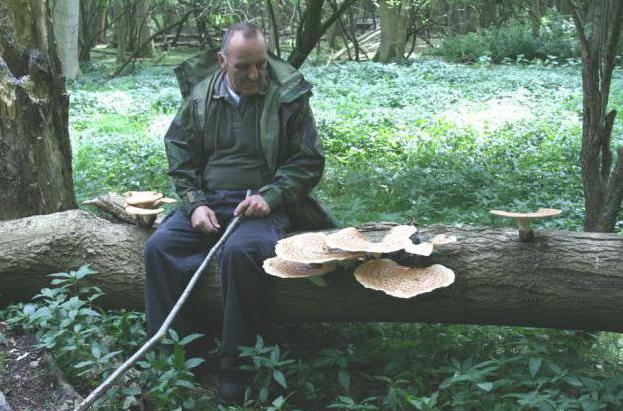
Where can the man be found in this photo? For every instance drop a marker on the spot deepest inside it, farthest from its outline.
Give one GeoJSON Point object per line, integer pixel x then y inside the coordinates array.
{"type": "Point", "coordinates": [245, 123]}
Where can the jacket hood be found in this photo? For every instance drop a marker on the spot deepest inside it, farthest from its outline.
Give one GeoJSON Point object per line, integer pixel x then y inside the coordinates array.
{"type": "Point", "coordinates": [289, 81]}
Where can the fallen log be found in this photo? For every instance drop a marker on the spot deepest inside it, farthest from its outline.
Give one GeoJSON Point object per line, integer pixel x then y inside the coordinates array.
{"type": "Point", "coordinates": [561, 280]}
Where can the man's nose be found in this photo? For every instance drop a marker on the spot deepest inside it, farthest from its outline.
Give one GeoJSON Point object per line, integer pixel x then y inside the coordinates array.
{"type": "Point", "coordinates": [253, 74]}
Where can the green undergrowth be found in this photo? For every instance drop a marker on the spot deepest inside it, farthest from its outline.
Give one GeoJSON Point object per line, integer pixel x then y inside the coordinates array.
{"type": "Point", "coordinates": [514, 40]}
{"type": "Point", "coordinates": [319, 366]}
{"type": "Point", "coordinates": [423, 141]}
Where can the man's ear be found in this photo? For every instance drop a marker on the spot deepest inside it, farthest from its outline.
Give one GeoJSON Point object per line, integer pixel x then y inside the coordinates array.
{"type": "Point", "coordinates": [222, 61]}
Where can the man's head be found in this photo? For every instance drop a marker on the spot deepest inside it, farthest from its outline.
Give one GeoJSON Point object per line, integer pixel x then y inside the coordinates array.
{"type": "Point", "coordinates": [243, 57]}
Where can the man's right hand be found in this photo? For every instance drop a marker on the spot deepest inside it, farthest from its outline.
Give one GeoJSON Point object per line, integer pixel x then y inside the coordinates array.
{"type": "Point", "coordinates": [204, 219]}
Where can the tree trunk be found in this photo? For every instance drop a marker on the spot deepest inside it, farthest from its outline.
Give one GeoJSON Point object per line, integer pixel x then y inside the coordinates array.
{"type": "Point", "coordinates": [274, 25]}
{"type": "Point", "coordinates": [66, 24]}
{"type": "Point", "coordinates": [92, 24]}
{"type": "Point", "coordinates": [123, 29]}
{"type": "Point", "coordinates": [35, 151]}
{"type": "Point", "coordinates": [143, 29]}
{"type": "Point", "coordinates": [488, 13]}
{"type": "Point", "coordinates": [561, 280]}
{"type": "Point", "coordinates": [603, 182]}
{"type": "Point", "coordinates": [311, 28]}
{"type": "Point", "coordinates": [394, 19]}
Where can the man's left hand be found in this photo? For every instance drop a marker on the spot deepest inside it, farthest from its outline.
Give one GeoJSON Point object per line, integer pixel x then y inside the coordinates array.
{"type": "Point", "coordinates": [253, 206]}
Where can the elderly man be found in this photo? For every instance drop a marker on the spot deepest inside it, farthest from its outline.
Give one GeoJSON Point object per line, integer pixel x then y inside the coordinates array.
{"type": "Point", "coordinates": [245, 123]}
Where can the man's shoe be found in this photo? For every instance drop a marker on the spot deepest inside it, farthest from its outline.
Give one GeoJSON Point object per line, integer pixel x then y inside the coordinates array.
{"type": "Point", "coordinates": [230, 392]}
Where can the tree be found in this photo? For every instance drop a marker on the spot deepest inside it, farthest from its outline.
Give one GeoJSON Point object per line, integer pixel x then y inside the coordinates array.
{"type": "Point", "coordinates": [66, 24]}
{"type": "Point", "coordinates": [311, 28]}
{"type": "Point", "coordinates": [132, 20]}
{"type": "Point", "coordinates": [394, 24]}
{"type": "Point", "coordinates": [92, 26]}
{"type": "Point", "coordinates": [598, 25]}
{"type": "Point", "coordinates": [35, 151]}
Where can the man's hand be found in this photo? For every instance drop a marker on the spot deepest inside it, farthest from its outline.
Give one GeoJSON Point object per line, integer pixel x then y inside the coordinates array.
{"type": "Point", "coordinates": [203, 219]}
{"type": "Point", "coordinates": [253, 206]}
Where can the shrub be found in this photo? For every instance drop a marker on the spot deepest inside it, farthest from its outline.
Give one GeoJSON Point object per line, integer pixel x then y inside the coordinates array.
{"type": "Point", "coordinates": [514, 40]}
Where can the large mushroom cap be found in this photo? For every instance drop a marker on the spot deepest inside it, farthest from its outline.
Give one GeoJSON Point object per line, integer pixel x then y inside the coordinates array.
{"type": "Point", "coordinates": [350, 239]}
{"type": "Point", "coordinates": [289, 269]}
{"type": "Point", "coordinates": [310, 248]}
{"type": "Point", "coordinates": [402, 282]}
{"type": "Point", "coordinates": [143, 199]}
{"type": "Point", "coordinates": [540, 213]}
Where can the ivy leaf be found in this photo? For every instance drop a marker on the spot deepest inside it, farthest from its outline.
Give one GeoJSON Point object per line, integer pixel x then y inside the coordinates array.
{"type": "Point", "coordinates": [534, 364]}
{"type": "Point", "coordinates": [280, 378]}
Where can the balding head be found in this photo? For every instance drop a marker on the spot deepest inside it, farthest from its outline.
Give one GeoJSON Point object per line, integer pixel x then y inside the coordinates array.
{"type": "Point", "coordinates": [247, 30]}
{"type": "Point", "coordinates": [244, 58]}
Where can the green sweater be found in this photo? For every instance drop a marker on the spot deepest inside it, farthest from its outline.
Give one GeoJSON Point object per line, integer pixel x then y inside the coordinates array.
{"type": "Point", "coordinates": [234, 158]}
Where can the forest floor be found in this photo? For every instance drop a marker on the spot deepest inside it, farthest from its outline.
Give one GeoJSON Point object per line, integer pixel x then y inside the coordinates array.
{"type": "Point", "coordinates": [27, 379]}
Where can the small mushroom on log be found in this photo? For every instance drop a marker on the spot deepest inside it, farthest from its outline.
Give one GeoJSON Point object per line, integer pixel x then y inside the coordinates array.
{"type": "Point", "coordinates": [524, 220]}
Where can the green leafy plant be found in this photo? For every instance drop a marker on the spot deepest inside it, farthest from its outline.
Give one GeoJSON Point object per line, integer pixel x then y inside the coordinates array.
{"type": "Point", "coordinates": [269, 365]}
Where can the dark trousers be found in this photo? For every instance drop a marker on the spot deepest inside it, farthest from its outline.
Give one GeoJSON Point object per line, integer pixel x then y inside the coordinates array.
{"type": "Point", "coordinates": [175, 251]}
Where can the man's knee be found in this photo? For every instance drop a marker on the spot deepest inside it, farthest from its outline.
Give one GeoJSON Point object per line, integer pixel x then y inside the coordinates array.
{"type": "Point", "coordinates": [252, 247]}
{"type": "Point", "coordinates": [154, 245]}
{"type": "Point", "coordinates": [155, 251]}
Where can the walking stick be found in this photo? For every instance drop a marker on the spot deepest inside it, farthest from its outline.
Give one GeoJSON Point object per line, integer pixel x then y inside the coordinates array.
{"type": "Point", "coordinates": [103, 387]}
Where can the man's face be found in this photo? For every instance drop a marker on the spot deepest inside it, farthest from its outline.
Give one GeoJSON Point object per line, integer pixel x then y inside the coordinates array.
{"type": "Point", "coordinates": [245, 63]}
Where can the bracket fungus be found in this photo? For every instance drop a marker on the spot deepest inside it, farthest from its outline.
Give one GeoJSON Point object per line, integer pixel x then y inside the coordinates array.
{"type": "Point", "coordinates": [400, 281]}
{"type": "Point", "coordinates": [310, 255]}
{"type": "Point", "coordinates": [290, 269]}
{"type": "Point", "coordinates": [350, 239]}
{"type": "Point", "coordinates": [426, 248]}
{"type": "Point", "coordinates": [144, 205]}
{"type": "Point", "coordinates": [310, 248]}
{"type": "Point", "coordinates": [524, 220]}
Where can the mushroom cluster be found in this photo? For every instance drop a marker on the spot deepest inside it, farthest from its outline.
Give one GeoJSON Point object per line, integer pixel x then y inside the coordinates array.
{"type": "Point", "coordinates": [314, 254]}
{"type": "Point", "coordinates": [145, 205]}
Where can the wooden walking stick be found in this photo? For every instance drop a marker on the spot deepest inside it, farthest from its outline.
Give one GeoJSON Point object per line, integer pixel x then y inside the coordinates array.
{"type": "Point", "coordinates": [104, 386]}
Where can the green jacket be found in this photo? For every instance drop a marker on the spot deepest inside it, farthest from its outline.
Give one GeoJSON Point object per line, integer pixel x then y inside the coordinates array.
{"type": "Point", "coordinates": [288, 139]}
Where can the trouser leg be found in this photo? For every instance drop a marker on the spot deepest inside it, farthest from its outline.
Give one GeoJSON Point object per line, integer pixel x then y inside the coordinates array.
{"type": "Point", "coordinates": [244, 281]}
{"type": "Point", "coordinates": [172, 254]}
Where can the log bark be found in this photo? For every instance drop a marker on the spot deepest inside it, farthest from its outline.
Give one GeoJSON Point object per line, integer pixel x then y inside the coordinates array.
{"type": "Point", "coordinates": [561, 280]}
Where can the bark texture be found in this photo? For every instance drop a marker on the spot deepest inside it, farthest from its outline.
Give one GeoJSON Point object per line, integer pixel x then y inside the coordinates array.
{"type": "Point", "coordinates": [66, 23]}
{"type": "Point", "coordinates": [561, 280]}
{"type": "Point", "coordinates": [35, 152]}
